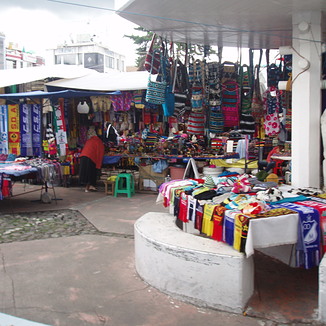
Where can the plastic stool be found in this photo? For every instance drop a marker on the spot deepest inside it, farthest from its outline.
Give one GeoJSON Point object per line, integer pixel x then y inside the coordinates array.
{"type": "Point", "coordinates": [109, 187]}
{"type": "Point", "coordinates": [278, 168]}
{"type": "Point", "coordinates": [124, 184]}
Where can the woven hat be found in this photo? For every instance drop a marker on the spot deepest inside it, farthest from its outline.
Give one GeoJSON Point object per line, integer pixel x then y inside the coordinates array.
{"type": "Point", "coordinates": [209, 182]}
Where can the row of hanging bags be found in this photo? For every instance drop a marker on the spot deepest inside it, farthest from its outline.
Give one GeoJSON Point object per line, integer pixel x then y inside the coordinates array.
{"type": "Point", "coordinates": [159, 90]}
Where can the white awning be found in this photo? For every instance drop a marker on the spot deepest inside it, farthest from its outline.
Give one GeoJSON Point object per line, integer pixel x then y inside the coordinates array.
{"type": "Point", "coordinates": [258, 24]}
{"type": "Point", "coordinates": [10, 77]}
{"type": "Point", "coordinates": [108, 82]}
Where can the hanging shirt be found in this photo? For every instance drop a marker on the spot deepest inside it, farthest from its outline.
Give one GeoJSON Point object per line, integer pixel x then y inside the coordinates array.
{"type": "Point", "coordinates": [122, 102]}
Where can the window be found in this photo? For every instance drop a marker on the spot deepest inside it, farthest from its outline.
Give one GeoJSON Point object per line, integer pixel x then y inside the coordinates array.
{"type": "Point", "coordinates": [69, 59]}
{"type": "Point", "coordinates": [80, 59]}
{"type": "Point", "coordinates": [109, 62]}
{"type": "Point", "coordinates": [58, 59]}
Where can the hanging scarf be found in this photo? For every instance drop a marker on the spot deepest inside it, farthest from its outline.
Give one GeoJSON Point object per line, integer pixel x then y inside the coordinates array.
{"type": "Point", "coordinates": [218, 216]}
{"type": "Point", "coordinates": [208, 224]}
{"type": "Point", "coordinates": [228, 226]}
{"type": "Point", "coordinates": [60, 129]}
{"type": "Point", "coordinates": [307, 247]}
{"type": "Point", "coordinates": [183, 208]}
{"type": "Point", "coordinates": [26, 130]}
{"type": "Point", "coordinates": [241, 226]}
{"type": "Point", "coordinates": [36, 129]}
{"type": "Point", "coordinates": [4, 129]}
{"type": "Point", "coordinates": [1, 179]}
{"type": "Point", "coordinates": [14, 130]}
{"type": "Point", "coordinates": [321, 208]}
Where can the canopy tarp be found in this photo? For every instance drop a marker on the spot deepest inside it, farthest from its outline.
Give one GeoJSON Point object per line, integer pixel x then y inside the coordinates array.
{"type": "Point", "coordinates": [55, 95]}
{"type": "Point", "coordinates": [123, 81]}
{"type": "Point", "coordinates": [10, 77]}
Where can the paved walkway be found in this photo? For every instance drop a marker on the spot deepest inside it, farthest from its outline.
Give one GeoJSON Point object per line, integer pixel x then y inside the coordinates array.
{"type": "Point", "coordinates": [90, 279]}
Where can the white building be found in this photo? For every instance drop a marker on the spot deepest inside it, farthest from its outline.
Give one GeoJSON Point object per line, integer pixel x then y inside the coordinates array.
{"type": "Point", "coordinates": [2, 51]}
{"type": "Point", "coordinates": [85, 51]}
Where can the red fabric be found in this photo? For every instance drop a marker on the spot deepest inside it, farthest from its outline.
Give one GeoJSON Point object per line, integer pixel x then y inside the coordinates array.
{"type": "Point", "coordinates": [218, 216]}
{"type": "Point", "coordinates": [275, 150]}
{"type": "Point", "coordinates": [183, 208]}
{"type": "Point", "coordinates": [94, 149]}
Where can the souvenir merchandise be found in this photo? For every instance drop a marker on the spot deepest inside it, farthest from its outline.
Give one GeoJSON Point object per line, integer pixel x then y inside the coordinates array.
{"type": "Point", "coordinates": [229, 220]}
{"type": "Point", "coordinates": [153, 58]}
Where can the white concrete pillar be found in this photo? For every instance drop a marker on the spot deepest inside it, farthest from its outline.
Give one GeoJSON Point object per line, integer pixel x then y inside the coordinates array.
{"type": "Point", "coordinates": [306, 99]}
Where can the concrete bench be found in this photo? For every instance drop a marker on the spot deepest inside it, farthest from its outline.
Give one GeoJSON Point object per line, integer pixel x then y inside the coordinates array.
{"type": "Point", "coordinates": [194, 269]}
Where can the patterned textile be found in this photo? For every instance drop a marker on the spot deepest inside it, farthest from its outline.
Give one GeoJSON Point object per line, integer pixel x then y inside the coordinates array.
{"type": "Point", "coordinates": [4, 129]}
{"type": "Point", "coordinates": [122, 102]}
{"type": "Point", "coordinates": [14, 129]}
{"type": "Point", "coordinates": [26, 130]}
{"type": "Point", "coordinates": [196, 123]}
{"type": "Point", "coordinates": [230, 103]}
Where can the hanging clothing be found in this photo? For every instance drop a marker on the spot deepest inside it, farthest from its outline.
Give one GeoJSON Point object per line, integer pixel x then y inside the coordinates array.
{"type": "Point", "coordinates": [122, 102]}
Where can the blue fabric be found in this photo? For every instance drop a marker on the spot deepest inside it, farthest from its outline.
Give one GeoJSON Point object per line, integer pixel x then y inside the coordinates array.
{"type": "Point", "coordinates": [26, 130]}
{"type": "Point", "coordinates": [308, 245]}
{"type": "Point", "coordinates": [228, 229]}
{"type": "Point", "coordinates": [168, 105]}
{"type": "Point", "coordinates": [36, 129]}
{"type": "Point", "coordinates": [111, 159]}
{"type": "Point", "coordinates": [6, 169]}
{"type": "Point", "coordinates": [290, 200]}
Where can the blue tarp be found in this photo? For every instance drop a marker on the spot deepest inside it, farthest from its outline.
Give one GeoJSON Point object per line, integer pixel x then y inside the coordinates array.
{"type": "Point", "coordinates": [55, 95]}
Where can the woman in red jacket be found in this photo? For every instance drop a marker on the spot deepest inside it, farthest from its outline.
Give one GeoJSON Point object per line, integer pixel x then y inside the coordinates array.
{"type": "Point", "coordinates": [269, 163]}
{"type": "Point", "coordinates": [91, 159]}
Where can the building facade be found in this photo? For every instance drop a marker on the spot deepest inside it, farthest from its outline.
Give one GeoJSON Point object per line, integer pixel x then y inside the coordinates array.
{"type": "Point", "coordinates": [88, 53]}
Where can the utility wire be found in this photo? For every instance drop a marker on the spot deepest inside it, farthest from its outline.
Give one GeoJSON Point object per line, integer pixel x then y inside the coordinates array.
{"type": "Point", "coordinates": [231, 29]}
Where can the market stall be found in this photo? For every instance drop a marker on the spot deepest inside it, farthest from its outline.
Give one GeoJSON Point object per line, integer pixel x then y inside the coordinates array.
{"type": "Point", "coordinates": [208, 109]}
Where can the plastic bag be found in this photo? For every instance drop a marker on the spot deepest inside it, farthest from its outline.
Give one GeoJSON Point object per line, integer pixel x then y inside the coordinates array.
{"type": "Point", "coordinates": [160, 166]}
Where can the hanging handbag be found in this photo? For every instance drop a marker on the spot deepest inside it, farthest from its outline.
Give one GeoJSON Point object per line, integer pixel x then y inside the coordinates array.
{"type": "Point", "coordinates": [153, 58]}
{"type": "Point", "coordinates": [83, 107]}
{"type": "Point", "coordinates": [156, 90]}
{"type": "Point", "coordinates": [257, 101]}
{"type": "Point", "coordinates": [169, 103]}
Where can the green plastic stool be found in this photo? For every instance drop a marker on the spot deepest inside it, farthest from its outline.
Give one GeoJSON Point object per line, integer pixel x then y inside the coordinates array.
{"type": "Point", "coordinates": [124, 184]}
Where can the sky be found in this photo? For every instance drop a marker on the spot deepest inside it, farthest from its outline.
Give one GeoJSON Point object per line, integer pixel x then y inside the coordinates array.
{"type": "Point", "coordinates": [37, 25]}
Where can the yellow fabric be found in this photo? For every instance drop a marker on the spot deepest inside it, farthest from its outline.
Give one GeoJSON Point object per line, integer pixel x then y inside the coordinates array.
{"type": "Point", "coordinates": [13, 129]}
{"type": "Point", "coordinates": [240, 230]}
{"type": "Point", "coordinates": [112, 178]}
{"type": "Point", "coordinates": [235, 163]}
{"type": "Point", "coordinates": [272, 178]}
{"type": "Point", "coordinates": [208, 224]}
{"type": "Point", "coordinates": [66, 170]}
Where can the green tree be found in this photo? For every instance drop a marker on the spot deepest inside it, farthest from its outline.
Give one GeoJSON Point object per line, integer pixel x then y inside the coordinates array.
{"type": "Point", "coordinates": [143, 42]}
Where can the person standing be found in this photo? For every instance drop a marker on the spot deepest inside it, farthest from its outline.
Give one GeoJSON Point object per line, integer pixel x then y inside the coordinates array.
{"type": "Point", "coordinates": [91, 158]}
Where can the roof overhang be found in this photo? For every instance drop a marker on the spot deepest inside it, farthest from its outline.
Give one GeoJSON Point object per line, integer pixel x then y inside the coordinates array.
{"type": "Point", "coordinates": [237, 23]}
{"type": "Point", "coordinates": [10, 77]}
{"type": "Point", "coordinates": [122, 81]}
